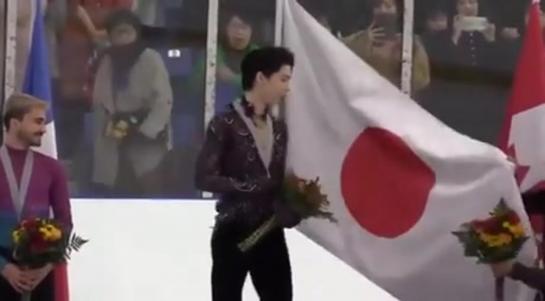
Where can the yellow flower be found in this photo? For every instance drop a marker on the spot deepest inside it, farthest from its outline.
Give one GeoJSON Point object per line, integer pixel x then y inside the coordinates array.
{"type": "Point", "coordinates": [16, 236]}
{"type": "Point", "coordinates": [516, 229]}
{"type": "Point", "coordinates": [57, 234]}
{"type": "Point", "coordinates": [495, 240]}
{"type": "Point", "coordinates": [122, 125]}
{"type": "Point", "coordinates": [50, 233]}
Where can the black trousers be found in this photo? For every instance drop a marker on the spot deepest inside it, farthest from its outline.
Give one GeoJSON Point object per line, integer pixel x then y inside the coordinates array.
{"type": "Point", "coordinates": [45, 291]}
{"type": "Point", "coordinates": [267, 263]}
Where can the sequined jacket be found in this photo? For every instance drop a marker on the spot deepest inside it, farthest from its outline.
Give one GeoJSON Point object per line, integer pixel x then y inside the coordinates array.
{"type": "Point", "coordinates": [229, 165]}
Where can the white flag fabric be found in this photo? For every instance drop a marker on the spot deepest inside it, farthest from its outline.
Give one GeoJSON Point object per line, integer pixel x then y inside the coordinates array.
{"type": "Point", "coordinates": [399, 180]}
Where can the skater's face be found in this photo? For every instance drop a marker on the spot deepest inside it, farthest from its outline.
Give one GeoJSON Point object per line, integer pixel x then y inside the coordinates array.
{"type": "Point", "coordinates": [31, 128]}
{"type": "Point", "coordinates": [275, 87]}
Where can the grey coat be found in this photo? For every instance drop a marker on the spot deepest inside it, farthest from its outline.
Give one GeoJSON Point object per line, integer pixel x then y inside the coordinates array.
{"type": "Point", "coordinates": [148, 88]}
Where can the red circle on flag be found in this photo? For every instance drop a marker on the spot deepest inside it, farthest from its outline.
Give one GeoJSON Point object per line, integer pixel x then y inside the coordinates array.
{"type": "Point", "coordinates": [384, 183]}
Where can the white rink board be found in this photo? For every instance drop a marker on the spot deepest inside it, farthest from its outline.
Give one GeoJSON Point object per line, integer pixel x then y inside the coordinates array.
{"type": "Point", "coordinates": [143, 250]}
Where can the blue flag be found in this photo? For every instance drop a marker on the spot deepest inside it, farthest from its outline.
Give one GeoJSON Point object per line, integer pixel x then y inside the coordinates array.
{"type": "Point", "coordinates": [38, 76]}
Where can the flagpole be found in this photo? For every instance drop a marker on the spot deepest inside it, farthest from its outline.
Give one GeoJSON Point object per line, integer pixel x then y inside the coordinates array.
{"type": "Point", "coordinates": [10, 43]}
{"type": "Point", "coordinates": [278, 35]}
{"type": "Point", "coordinates": [278, 22]}
{"type": "Point", "coordinates": [10, 19]}
{"type": "Point", "coordinates": [407, 50]}
{"type": "Point", "coordinates": [211, 58]}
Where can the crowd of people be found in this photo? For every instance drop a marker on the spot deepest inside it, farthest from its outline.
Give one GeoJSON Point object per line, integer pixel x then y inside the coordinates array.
{"type": "Point", "coordinates": [122, 102]}
{"type": "Point", "coordinates": [464, 53]}
{"type": "Point", "coordinates": [463, 61]}
{"type": "Point", "coordinates": [128, 81]}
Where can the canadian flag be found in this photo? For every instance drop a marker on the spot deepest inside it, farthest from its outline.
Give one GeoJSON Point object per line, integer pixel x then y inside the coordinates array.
{"type": "Point", "coordinates": [524, 128]}
{"type": "Point", "coordinates": [523, 134]}
{"type": "Point", "coordinates": [399, 180]}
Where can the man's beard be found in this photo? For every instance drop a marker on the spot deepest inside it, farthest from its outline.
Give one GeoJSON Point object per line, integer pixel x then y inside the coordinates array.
{"type": "Point", "coordinates": [31, 139]}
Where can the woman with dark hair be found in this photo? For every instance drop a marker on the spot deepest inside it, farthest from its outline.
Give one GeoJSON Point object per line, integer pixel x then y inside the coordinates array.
{"type": "Point", "coordinates": [132, 105]}
{"type": "Point", "coordinates": [235, 41]}
{"type": "Point", "coordinates": [380, 45]}
{"type": "Point", "coordinates": [436, 39]}
{"type": "Point", "coordinates": [473, 35]}
{"type": "Point", "coordinates": [80, 35]}
{"type": "Point", "coordinates": [473, 103]}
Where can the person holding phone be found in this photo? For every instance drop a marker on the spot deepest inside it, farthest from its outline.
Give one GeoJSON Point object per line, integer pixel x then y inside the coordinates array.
{"type": "Point", "coordinates": [380, 45]}
{"type": "Point", "coordinates": [472, 34]}
{"type": "Point", "coordinates": [474, 104]}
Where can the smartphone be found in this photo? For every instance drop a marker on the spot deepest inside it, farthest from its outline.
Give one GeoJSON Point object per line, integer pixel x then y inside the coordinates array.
{"type": "Point", "coordinates": [473, 23]}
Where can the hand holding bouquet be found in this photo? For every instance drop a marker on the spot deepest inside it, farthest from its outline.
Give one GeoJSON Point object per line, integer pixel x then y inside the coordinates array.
{"type": "Point", "coordinates": [302, 198]}
{"type": "Point", "coordinates": [38, 243]}
{"type": "Point", "coordinates": [123, 124]}
{"type": "Point", "coordinates": [496, 239]}
{"type": "Point", "coordinates": [117, 130]}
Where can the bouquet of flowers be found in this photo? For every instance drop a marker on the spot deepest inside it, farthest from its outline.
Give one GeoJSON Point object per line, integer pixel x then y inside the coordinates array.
{"type": "Point", "coordinates": [125, 125]}
{"type": "Point", "coordinates": [117, 130]}
{"type": "Point", "coordinates": [304, 198]}
{"type": "Point", "coordinates": [495, 239]}
{"type": "Point", "coordinates": [122, 124]}
{"type": "Point", "coordinates": [38, 242]}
